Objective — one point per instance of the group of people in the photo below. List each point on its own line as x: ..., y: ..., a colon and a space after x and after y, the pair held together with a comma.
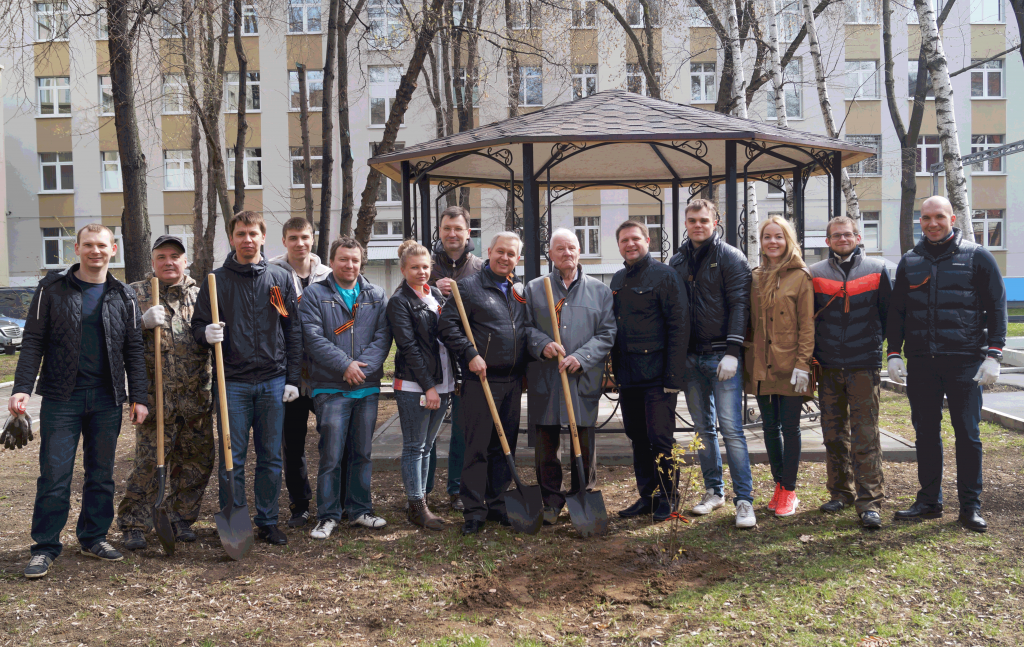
x: 301, y: 336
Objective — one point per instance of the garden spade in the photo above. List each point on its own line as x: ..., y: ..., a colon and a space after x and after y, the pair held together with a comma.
x: 524, y: 506
x: 161, y: 522
x: 586, y: 509
x: 233, y: 523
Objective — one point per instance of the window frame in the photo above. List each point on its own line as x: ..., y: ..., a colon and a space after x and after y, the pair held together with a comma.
x: 864, y: 80
x: 65, y: 235
x: 61, y: 17
x: 984, y: 216
x: 977, y: 12
x: 187, y: 236
x: 582, y: 231
x: 102, y: 29
x: 295, y: 154
x: 385, y: 90
x: 249, y: 16
x: 385, y: 28
x: 788, y: 84
x: 293, y: 90
x: 858, y: 9
x: 394, y: 228
x: 186, y: 172
x: 635, y: 74
x: 977, y: 147
x: 231, y: 102
x: 110, y: 87
x: 858, y: 169
x: 584, y: 73
x: 303, y: 6
x: 703, y: 74
x: 58, y: 165
x: 182, y: 91
x: 912, y: 72
x: 104, y: 162
x: 251, y: 155
x: 462, y: 76
x: 791, y: 20
x: 56, y: 88
x: 527, y: 72
x: 984, y: 72
x: 875, y: 224
x: 923, y: 146
x: 525, y: 15
x: 636, y: 20
x: 584, y: 14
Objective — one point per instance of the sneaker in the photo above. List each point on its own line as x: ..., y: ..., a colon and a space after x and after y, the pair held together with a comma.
x: 323, y: 529
x: 787, y: 503
x: 103, y: 550
x: 134, y: 540
x: 183, y: 532
x: 708, y: 504
x: 272, y: 535
x: 299, y: 519
x: 833, y: 506
x: 38, y: 566
x: 774, y: 503
x: 745, y: 517
x: 369, y: 520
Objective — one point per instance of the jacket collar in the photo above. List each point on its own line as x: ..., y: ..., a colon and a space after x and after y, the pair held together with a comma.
x: 495, y: 278
x: 413, y: 294
x: 556, y: 278
x: 231, y: 263
x: 67, y: 274
x: 442, y: 257
x: 834, y: 259
x: 923, y: 247
x: 638, y: 266
x: 316, y: 267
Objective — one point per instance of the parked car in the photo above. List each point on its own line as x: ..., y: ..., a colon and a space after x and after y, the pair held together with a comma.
x: 11, y: 332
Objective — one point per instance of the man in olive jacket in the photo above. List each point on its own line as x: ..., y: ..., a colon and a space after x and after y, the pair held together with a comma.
x: 587, y: 327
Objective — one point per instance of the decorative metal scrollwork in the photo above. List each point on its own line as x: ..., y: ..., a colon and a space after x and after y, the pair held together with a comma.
x: 446, y: 186
x: 652, y: 190
x: 697, y: 148
x: 695, y: 188
x: 564, y: 149
x: 776, y: 181
x: 502, y: 156
x: 422, y: 165
x: 741, y: 230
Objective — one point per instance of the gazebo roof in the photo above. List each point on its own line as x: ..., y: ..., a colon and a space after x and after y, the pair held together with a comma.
x: 655, y: 141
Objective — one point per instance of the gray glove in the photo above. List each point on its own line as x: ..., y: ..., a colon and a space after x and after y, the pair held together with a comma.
x: 17, y: 432
x: 155, y: 316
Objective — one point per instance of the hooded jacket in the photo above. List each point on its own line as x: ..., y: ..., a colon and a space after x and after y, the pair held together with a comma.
x: 318, y: 271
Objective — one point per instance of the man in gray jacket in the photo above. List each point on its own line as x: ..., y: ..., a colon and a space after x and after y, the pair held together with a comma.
x: 587, y: 325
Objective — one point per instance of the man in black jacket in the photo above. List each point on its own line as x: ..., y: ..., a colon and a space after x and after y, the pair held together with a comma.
x: 716, y: 278
x: 948, y: 316
x: 649, y: 358
x: 86, y: 328
x: 261, y: 341
x: 496, y: 309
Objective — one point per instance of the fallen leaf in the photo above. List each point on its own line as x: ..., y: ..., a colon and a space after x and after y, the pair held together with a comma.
x: 805, y: 538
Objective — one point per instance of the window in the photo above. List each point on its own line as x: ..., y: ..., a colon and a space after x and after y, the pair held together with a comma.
x: 102, y: 33
x: 316, y: 160
x: 476, y: 88
x: 987, y: 80
x: 389, y: 191
x: 861, y: 80
x: 981, y: 143
x: 861, y: 11
x: 702, y: 83
x: 987, y: 11
x: 791, y: 21
x: 928, y: 153
x: 252, y: 168
x: 584, y: 14
x: 792, y: 77
x: 303, y: 16
x: 988, y: 227
x: 525, y: 15
x: 106, y: 96
x: 178, y: 171
x: 184, y: 232
x: 110, y: 170
x: 252, y: 91
x: 54, y: 95
x: 56, y: 171
x: 385, y: 23
x: 869, y: 235
x: 52, y: 20
x: 635, y: 13
x: 774, y: 191
x: 250, y: 21
x: 584, y: 81
x: 175, y: 94
x: 314, y: 89
x: 653, y: 223
x: 588, y: 230
x: 912, y: 81
x: 696, y: 15
x: 384, y: 81
x: 636, y: 80
x: 387, y: 229
x: 531, y: 86
x: 59, y: 247
x: 873, y: 164
x: 172, y: 24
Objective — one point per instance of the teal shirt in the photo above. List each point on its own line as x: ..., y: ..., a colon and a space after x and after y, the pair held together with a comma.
x: 349, y: 297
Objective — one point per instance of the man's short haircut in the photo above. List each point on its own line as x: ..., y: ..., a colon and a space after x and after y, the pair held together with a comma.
x: 94, y: 228
x: 348, y: 243
x: 507, y: 234
x: 247, y: 218
x: 562, y: 232
x: 841, y: 220
x: 632, y: 223
x: 454, y: 212
x: 298, y: 223
x: 700, y: 204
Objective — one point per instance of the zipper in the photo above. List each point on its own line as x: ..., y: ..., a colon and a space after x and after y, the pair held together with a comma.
x: 515, y: 339
x: 39, y: 304
x: 487, y: 347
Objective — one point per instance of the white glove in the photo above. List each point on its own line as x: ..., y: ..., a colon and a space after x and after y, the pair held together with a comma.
x: 800, y: 380
x: 670, y: 391
x: 897, y: 370
x: 988, y: 372
x: 727, y: 368
x: 290, y: 393
x: 215, y: 333
x: 155, y: 316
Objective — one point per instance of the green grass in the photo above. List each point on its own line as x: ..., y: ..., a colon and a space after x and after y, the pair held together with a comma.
x: 8, y: 364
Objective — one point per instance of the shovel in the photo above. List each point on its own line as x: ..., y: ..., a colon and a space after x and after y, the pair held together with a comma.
x: 161, y: 522
x: 233, y: 523
x: 524, y: 505
x: 586, y: 509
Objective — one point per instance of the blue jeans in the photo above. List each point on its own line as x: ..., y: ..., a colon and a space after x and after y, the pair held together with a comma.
x: 707, y: 398
x: 456, y: 452
x: 259, y: 407
x: 927, y: 382
x: 419, y: 430
x: 342, y: 421
x: 94, y: 415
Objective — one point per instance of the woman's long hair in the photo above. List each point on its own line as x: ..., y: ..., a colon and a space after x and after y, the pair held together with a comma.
x: 770, y: 278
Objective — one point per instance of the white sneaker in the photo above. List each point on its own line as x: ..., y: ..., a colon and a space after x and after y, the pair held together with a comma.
x: 745, y: 515
x: 323, y: 529
x: 709, y: 503
x: 369, y: 521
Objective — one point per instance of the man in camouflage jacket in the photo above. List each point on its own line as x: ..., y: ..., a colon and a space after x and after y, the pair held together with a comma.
x: 189, y: 444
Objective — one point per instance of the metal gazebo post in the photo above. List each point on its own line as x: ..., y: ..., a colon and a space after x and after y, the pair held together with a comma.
x: 837, y: 189
x: 731, y: 201
x: 675, y: 215
x: 424, y: 183
x: 531, y: 217
x: 406, y: 201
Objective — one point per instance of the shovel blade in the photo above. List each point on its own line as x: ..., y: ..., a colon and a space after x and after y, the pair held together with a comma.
x: 235, y: 530
x: 588, y: 513
x: 161, y: 521
x: 525, y: 509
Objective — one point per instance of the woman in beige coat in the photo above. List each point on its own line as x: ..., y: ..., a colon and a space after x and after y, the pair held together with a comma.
x: 779, y: 346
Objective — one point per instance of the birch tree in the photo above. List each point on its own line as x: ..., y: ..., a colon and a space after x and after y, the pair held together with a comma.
x: 739, y: 103
x: 782, y: 119
x: 345, y: 24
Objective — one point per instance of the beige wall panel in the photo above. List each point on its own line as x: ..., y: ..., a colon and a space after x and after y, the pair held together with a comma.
x: 111, y: 221
x: 251, y: 47
x: 868, y: 189
x: 870, y: 205
x: 988, y: 117
x: 102, y: 57
x: 179, y: 219
x: 586, y: 203
x: 179, y: 202
x: 864, y: 117
x: 928, y: 124
x: 176, y: 132
x: 298, y: 203
x: 305, y: 49
x: 924, y: 189
x: 631, y: 51
x: 111, y: 204
x: 53, y: 135
x: 170, y: 55
x: 863, y: 42
x: 252, y: 133
x: 1000, y: 261
x: 58, y: 206
x: 583, y: 46
x: 107, y: 134
x: 987, y: 40
x: 703, y: 44
x: 254, y: 200
x: 315, y: 129
x: 528, y: 59
x: 913, y: 41
x: 52, y: 59
x: 56, y: 222
x: 989, y: 192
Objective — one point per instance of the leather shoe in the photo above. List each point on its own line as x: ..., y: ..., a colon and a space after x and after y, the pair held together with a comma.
x: 663, y: 510
x: 835, y: 505
x: 183, y: 532
x: 642, y: 506
x: 971, y: 519
x: 871, y: 520
x: 500, y: 517
x: 272, y: 535
x: 456, y: 502
x: 472, y: 526
x: 919, y: 511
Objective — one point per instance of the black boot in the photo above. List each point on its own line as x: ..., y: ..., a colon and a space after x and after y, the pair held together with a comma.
x: 919, y: 511
x: 642, y: 506
x: 970, y: 518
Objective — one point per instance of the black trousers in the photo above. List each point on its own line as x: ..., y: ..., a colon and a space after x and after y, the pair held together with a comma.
x: 485, y: 473
x: 649, y: 418
x: 293, y: 444
x: 547, y: 458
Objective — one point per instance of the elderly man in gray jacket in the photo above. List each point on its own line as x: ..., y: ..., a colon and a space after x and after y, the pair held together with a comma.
x: 584, y: 313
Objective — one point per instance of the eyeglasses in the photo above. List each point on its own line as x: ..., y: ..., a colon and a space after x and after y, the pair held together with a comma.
x: 848, y: 236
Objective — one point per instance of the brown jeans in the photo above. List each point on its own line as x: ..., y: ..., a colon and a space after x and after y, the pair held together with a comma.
x: 849, y: 425
x: 549, y: 465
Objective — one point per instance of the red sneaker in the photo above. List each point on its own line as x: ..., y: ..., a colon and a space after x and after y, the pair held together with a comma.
x: 774, y: 503
x: 787, y: 503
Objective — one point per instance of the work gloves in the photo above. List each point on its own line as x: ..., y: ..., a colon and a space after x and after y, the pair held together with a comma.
x: 727, y: 368
x: 17, y: 431
x: 290, y: 393
x: 988, y: 372
x: 155, y: 316
x: 800, y: 380
x: 215, y: 333
x: 898, y: 371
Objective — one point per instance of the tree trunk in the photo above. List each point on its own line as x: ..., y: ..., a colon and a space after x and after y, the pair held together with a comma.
x: 243, y: 126
x: 739, y: 105
x: 327, y: 163
x: 782, y: 119
x: 307, y: 171
x: 1018, y: 14
x: 344, y: 121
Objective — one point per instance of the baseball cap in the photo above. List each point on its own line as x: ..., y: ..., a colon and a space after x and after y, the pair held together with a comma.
x: 169, y: 238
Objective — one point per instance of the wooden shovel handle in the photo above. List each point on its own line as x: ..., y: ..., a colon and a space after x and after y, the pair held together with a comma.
x: 218, y: 353
x: 483, y: 380
x: 158, y: 377
x: 565, y: 378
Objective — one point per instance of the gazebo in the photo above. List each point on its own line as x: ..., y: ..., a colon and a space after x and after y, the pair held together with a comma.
x: 615, y: 139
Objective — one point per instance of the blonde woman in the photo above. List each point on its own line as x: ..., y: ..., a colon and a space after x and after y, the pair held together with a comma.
x: 778, y: 356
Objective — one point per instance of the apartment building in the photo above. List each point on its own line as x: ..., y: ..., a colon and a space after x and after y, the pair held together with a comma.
x: 62, y: 165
